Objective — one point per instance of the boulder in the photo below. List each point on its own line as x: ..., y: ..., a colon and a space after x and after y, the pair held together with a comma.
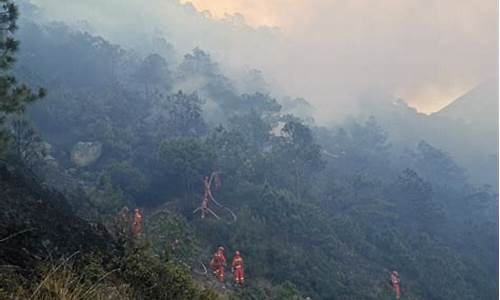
x: 86, y: 153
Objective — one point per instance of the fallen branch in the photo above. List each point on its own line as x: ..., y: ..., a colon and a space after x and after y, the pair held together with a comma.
x: 16, y: 234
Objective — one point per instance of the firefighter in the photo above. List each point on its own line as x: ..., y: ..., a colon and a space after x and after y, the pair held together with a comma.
x: 218, y: 263
x: 124, y: 214
x: 238, y: 269
x: 137, y: 225
x: 396, y: 282
x: 123, y: 221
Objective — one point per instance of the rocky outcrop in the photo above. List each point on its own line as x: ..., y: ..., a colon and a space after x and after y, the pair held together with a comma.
x: 86, y: 153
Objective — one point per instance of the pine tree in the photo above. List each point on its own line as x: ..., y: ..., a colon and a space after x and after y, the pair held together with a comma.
x: 13, y: 96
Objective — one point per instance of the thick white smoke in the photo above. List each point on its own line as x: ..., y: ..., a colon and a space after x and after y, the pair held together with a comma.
x: 327, y: 51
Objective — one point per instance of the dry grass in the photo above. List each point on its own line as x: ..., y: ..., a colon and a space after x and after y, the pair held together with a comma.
x: 60, y: 282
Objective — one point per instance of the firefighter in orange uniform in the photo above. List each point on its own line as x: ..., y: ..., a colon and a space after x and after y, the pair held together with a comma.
x: 218, y: 263
x: 396, y: 284
x: 238, y: 269
x: 137, y: 225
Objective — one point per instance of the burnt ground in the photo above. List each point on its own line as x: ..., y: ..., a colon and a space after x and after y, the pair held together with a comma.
x: 37, y: 225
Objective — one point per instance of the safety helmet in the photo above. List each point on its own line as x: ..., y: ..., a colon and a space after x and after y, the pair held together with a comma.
x: 395, y: 273
x: 220, y: 248
x: 136, y: 210
x: 237, y: 253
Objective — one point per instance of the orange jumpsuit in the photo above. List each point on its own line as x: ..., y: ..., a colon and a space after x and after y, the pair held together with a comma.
x: 137, y: 225
x: 218, y: 262
x: 238, y: 270
x: 395, y: 284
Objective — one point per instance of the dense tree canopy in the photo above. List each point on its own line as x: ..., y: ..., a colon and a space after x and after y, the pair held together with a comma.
x: 321, y: 212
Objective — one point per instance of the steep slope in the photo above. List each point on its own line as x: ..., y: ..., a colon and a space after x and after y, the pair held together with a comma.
x: 36, y: 226
x: 48, y: 252
x: 354, y: 221
x: 478, y: 106
x: 467, y: 129
x: 471, y: 126
x: 40, y: 222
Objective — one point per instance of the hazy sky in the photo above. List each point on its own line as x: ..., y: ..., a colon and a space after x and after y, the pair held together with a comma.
x: 426, y: 51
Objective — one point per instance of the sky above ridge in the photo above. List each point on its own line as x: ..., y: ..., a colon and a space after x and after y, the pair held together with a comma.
x: 439, y: 49
x: 427, y: 52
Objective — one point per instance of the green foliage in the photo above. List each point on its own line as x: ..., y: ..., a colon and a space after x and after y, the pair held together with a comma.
x: 418, y: 207
x: 436, y: 165
x: 265, y: 291
x: 238, y: 160
x: 189, y: 159
x: 138, y: 275
x: 155, y: 280
x: 127, y: 177
x: 24, y: 142
x: 152, y: 73
x: 172, y: 238
x: 63, y: 281
x: 295, y: 157
x: 198, y: 68
x: 358, y: 148
x: 184, y: 114
x: 198, y: 62
x: 259, y: 104
x: 106, y: 198
x: 321, y: 212
x: 13, y: 96
x: 256, y: 130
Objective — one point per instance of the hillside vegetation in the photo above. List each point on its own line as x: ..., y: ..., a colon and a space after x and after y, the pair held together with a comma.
x: 324, y: 213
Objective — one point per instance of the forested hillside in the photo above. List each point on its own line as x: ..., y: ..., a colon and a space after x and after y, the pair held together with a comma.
x: 316, y: 212
x: 466, y: 129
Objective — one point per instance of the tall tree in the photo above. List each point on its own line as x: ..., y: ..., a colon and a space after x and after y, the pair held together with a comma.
x: 436, y: 166
x: 414, y: 198
x: 296, y: 157
x: 13, y: 96
x: 186, y: 160
x: 25, y: 142
x: 154, y: 74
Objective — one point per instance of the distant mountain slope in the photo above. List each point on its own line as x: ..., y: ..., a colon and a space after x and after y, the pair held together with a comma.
x: 479, y: 105
x: 467, y: 128
x: 470, y: 124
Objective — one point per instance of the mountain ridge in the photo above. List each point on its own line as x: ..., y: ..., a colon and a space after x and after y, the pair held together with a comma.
x: 477, y: 101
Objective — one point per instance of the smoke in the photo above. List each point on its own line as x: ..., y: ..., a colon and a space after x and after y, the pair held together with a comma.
x: 427, y: 52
